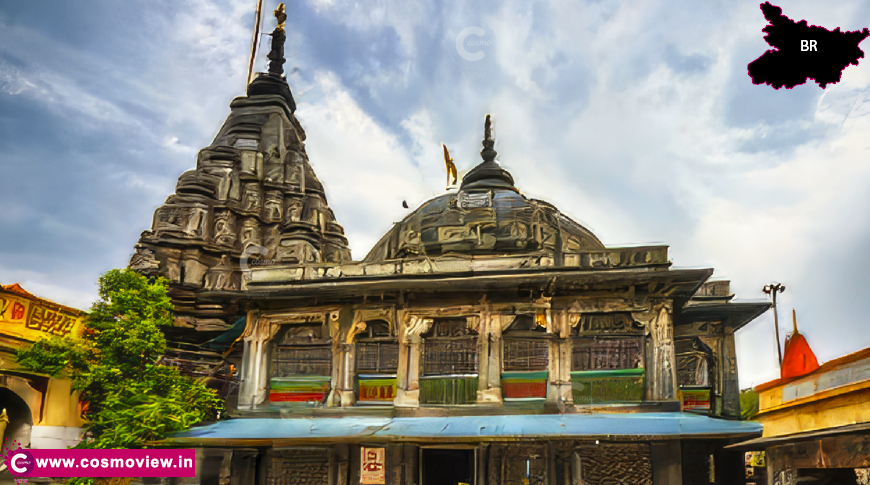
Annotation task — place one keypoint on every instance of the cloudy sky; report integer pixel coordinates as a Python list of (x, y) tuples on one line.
[(637, 118)]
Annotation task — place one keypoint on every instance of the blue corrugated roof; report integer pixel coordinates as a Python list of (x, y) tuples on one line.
[(473, 428)]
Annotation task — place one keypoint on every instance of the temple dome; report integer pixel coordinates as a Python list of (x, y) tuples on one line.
[(487, 216), (487, 222)]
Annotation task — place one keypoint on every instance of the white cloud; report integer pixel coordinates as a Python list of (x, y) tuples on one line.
[(367, 173)]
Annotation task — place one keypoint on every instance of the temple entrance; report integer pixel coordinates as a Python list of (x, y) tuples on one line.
[(17, 431), (441, 466)]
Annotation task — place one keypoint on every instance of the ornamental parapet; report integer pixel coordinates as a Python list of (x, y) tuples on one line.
[(270, 273)]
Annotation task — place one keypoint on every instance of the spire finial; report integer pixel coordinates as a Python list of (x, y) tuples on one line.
[(276, 55), (794, 321), (488, 153), (274, 82), (281, 15)]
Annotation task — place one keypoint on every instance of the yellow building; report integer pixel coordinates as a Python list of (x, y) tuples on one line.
[(817, 426), (43, 412)]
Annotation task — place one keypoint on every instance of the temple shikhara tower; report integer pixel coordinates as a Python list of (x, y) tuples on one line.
[(253, 197), (486, 338)]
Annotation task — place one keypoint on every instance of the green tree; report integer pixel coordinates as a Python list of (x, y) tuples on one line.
[(748, 403), (131, 399)]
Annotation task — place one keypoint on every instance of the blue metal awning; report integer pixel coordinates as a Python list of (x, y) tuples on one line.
[(257, 431)]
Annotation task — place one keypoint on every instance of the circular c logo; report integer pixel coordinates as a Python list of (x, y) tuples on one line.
[(21, 463), (246, 261), (460, 43)]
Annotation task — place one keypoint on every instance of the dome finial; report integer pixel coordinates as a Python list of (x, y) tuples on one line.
[(488, 174), (488, 153), (276, 55)]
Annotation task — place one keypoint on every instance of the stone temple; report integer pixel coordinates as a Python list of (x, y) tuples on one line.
[(487, 338)]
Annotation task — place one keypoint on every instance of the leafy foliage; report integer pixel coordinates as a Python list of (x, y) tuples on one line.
[(748, 403), (131, 399)]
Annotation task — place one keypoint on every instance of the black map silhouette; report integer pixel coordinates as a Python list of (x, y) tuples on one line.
[(796, 58)]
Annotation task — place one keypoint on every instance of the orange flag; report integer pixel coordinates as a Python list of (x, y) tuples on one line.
[(451, 168), (798, 359)]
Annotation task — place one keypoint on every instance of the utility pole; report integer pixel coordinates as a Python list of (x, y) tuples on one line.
[(773, 290)]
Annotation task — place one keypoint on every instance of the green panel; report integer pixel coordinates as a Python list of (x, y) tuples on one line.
[(597, 387), (585, 374), (448, 390), (523, 375)]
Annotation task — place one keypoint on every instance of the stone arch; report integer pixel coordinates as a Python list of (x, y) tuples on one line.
[(20, 419)]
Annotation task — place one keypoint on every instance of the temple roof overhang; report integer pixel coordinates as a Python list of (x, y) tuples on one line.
[(733, 315), (453, 429), (760, 444)]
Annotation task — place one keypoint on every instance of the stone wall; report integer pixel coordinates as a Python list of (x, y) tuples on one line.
[(612, 464), (298, 467)]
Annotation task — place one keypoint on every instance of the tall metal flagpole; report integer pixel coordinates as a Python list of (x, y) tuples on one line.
[(773, 290), (255, 42)]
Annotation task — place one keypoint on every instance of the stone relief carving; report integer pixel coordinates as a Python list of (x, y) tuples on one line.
[(299, 252), (224, 175), (219, 277), (292, 211), (187, 221), (607, 323), (415, 326), (224, 228), (384, 313), (250, 233), (252, 200), (251, 161), (274, 167), (144, 260), (273, 206)]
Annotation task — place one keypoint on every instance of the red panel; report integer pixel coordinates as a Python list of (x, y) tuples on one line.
[(297, 396), (525, 389)]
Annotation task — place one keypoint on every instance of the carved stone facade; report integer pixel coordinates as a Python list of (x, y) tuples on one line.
[(486, 338)]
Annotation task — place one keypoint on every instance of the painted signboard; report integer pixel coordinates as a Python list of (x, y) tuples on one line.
[(696, 400), (524, 385), (372, 466), (31, 320), (300, 389), (377, 389)]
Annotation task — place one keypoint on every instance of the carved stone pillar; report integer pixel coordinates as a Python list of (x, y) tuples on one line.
[(254, 386), (559, 366), (730, 386), (562, 327), (661, 368), (411, 329), (344, 384), (489, 357), (348, 362), (339, 394), (247, 375)]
